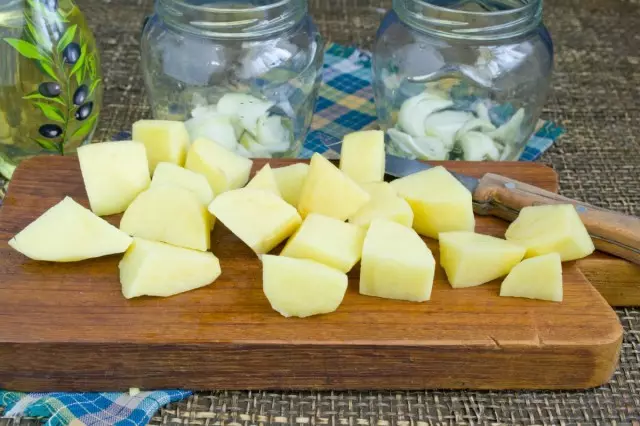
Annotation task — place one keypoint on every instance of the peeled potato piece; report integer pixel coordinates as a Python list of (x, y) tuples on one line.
[(328, 191), (151, 268), (68, 232), (169, 214), (301, 287), (261, 219), (396, 263), (551, 229), (439, 202), (328, 241), (471, 259), (114, 173), (535, 278)]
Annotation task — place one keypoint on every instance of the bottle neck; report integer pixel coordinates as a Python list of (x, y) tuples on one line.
[(471, 19), (232, 19)]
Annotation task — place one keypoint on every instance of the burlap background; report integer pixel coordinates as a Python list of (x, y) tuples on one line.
[(596, 92)]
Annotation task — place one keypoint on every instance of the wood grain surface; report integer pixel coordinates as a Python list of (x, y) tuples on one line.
[(67, 326)]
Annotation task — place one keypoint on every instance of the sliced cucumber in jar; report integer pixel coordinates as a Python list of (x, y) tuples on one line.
[(415, 110), (477, 146)]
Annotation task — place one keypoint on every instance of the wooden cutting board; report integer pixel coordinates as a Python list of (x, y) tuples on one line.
[(67, 326)]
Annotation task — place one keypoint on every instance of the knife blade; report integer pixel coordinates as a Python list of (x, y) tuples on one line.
[(400, 167), (612, 232)]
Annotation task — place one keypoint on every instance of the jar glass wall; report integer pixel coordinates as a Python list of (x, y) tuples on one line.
[(243, 73), (463, 79)]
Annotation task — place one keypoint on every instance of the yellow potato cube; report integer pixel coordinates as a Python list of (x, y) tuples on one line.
[(224, 170), (439, 202), (379, 189), (261, 219), (265, 180), (362, 156), (549, 229), (290, 181), (471, 259), (396, 263), (169, 214), (68, 232), (151, 268), (535, 278), (114, 174), (384, 204), (301, 287), (328, 241), (329, 192), (171, 174), (166, 141)]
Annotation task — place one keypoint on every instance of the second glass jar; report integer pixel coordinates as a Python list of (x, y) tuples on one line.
[(244, 74), (461, 79)]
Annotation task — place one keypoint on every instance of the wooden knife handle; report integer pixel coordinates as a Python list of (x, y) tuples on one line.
[(614, 233)]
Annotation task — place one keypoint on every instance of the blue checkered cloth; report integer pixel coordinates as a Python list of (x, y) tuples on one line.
[(345, 105), (90, 409)]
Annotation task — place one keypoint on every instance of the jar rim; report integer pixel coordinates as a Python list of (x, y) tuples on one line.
[(229, 19), (514, 20)]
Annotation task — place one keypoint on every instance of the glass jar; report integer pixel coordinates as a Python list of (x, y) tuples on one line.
[(50, 81), (461, 79), (242, 73)]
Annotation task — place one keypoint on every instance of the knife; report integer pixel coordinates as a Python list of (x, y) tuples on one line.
[(494, 195)]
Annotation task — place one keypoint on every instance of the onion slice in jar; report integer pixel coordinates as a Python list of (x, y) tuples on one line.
[(214, 127), (475, 124), (421, 147), (477, 146), (482, 112), (254, 149), (246, 108), (445, 124), (272, 132), (508, 133), (416, 109)]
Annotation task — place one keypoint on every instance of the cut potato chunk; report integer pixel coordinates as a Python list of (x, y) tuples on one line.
[(68, 232), (396, 263), (114, 174), (384, 204), (535, 278), (439, 202), (151, 268), (471, 259), (301, 287), (328, 241), (165, 141), (171, 174), (549, 229), (362, 156), (290, 181), (261, 219), (169, 214), (379, 189), (330, 192), (265, 180), (224, 170)]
